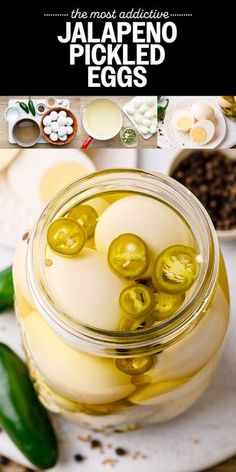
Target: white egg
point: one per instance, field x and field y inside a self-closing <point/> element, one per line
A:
<point x="54" y="137"/>
<point x="49" y="172"/>
<point x="138" y="118"/>
<point x="149" y="114"/>
<point x="152" y="129"/>
<point x="150" y="101"/>
<point x="69" y="121"/>
<point x="202" y="132"/>
<point x="137" y="102"/>
<point x="153" y="221"/>
<point x="202" y="111"/>
<point x="130" y="109"/>
<point x="63" y="138"/>
<point x="19" y="270"/>
<point x="183" y="120"/>
<point x="62" y="131"/>
<point x="70" y="281"/>
<point x="62" y="113"/>
<point x="47" y="130"/>
<point x="69" y="130"/>
<point x="55" y="126"/>
<point x="143" y="129"/>
<point x="53" y="115"/>
<point x="146" y="122"/>
<point x="75" y="374"/>
<point x="62" y="120"/>
<point x="47" y="120"/>
<point x="142" y="109"/>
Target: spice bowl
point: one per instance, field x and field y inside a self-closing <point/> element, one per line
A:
<point x="58" y="141"/>
<point x="217" y="195"/>
<point x="129" y="136"/>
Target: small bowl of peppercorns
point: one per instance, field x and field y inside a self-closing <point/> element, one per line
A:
<point x="211" y="176"/>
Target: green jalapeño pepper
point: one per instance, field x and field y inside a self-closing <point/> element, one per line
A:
<point x="22" y="416"/>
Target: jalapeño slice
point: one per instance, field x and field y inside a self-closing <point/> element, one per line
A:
<point x="86" y="216"/>
<point x="167" y="303"/>
<point x="136" y="301"/>
<point x="133" y="325"/>
<point x="175" y="269"/>
<point x="128" y="256"/>
<point x="66" y="237"/>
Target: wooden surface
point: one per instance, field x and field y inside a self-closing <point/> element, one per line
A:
<point x="76" y="106"/>
<point x="228" y="466"/>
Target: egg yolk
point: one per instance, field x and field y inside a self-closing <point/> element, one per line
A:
<point x="198" y="134"/>
<point x="184" y="123"/>
<point x="57" y="177"/>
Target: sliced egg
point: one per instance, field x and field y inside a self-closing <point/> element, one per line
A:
<point x="73" y="373"/>
<point x="149" y="219"/>
<point x="202" y="132"/>
<point x="202" y="111"/>
<point x="49" y="172"/>
<point x="85" y="288"/>
<point x="183" y="120"/>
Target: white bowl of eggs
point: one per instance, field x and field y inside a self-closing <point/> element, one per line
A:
<point x="194" y="124"/>
<point x="59" y="126"/>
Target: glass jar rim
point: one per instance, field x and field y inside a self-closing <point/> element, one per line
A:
<point x="168" y="331"/>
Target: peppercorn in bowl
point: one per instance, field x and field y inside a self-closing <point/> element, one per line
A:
<point x="211" y="176"/>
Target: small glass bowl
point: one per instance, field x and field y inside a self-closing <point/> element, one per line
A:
<point x="129" y="136"/>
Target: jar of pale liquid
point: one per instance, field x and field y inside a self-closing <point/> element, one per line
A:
<point x="122" y="300"/>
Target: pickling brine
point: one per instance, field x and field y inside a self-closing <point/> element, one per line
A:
<point x="122" y="300"/>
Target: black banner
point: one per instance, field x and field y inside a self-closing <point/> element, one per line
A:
<point x="122" y="48"/>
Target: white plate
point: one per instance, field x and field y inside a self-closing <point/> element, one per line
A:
<point x="131" y="118"/>
<point x="182" y="140"/>
<point x="201" y="437"/>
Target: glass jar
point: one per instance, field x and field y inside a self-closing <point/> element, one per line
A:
<point x="74" y="366"/>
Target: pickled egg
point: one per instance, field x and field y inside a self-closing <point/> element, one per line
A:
<point x="183" y="120"/>
<point x="202" y="132"/>
<point x="149" y="219"/>
<point x="85" y="288"/>
<point x="75" y="374"/>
